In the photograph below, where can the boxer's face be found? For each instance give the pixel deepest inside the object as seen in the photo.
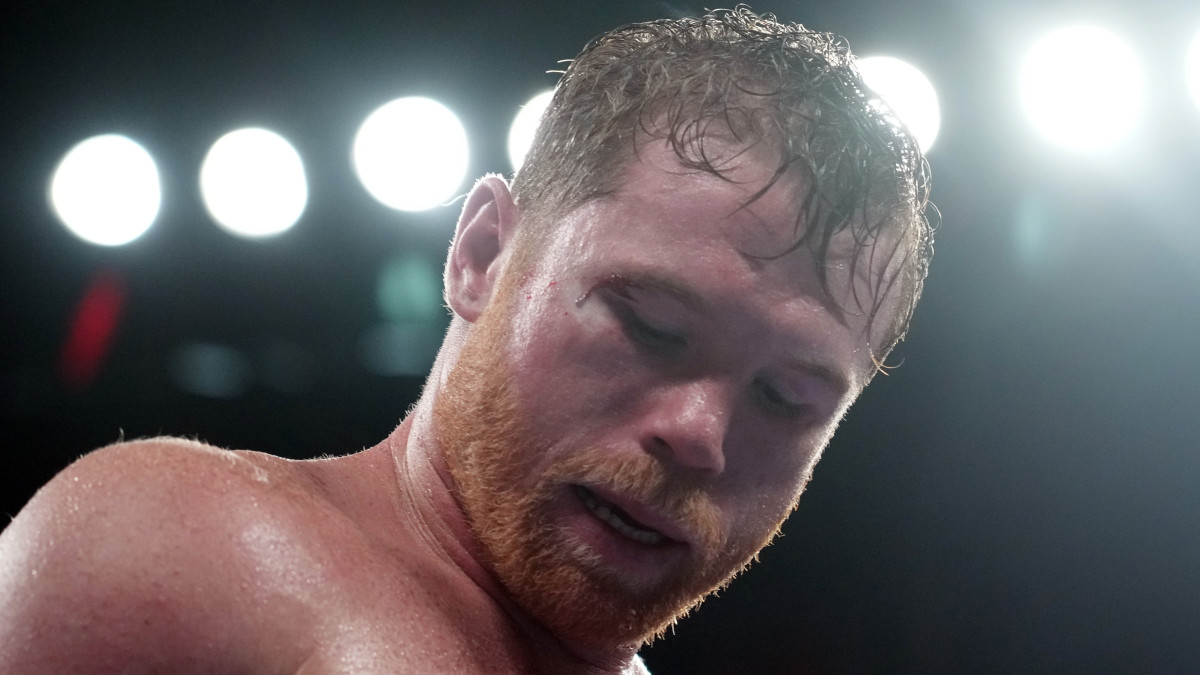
(638, 410)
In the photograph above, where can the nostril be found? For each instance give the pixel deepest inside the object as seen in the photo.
(686, 453)
(658, 447)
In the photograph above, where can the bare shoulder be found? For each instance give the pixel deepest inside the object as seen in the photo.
(150, 552)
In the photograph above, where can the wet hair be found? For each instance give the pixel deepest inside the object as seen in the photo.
(689, 81)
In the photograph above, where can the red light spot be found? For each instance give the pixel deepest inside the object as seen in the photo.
(91, 331)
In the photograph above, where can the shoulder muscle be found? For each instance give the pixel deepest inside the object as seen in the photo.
(131, 557)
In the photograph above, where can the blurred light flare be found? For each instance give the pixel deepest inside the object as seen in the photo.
(92, 326)
(1192, 69)
(106, 190)
(253, 183)
(410, 289)
(400, 349)
(908, 92)
(411, 154)
(1082, 88)
(524, 126)
(210, 369)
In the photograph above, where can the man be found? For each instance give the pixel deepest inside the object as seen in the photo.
(716, 239)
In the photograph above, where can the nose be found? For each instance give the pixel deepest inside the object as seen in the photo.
(687, 425)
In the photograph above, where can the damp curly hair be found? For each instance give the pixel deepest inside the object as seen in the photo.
(734, 71)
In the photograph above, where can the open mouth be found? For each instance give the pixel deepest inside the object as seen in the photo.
(619, 520)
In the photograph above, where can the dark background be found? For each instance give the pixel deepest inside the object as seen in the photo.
(1021, 495)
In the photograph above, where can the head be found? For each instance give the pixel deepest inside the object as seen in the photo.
(734, 73)
(715, 238)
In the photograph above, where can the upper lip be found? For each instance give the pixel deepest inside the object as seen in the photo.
(645, 515)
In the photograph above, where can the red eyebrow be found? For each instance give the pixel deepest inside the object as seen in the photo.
(649, 281)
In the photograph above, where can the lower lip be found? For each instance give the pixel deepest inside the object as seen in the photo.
(645, 563)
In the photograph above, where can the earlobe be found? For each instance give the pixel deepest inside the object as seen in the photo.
(484, 228)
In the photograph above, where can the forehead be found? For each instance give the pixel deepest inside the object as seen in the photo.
(711, 237)
(668, 211)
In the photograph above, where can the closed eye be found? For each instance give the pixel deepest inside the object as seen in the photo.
(776, 402)
(643, 332)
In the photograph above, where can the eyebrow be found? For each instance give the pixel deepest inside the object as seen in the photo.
(822, 371)
(653, 281)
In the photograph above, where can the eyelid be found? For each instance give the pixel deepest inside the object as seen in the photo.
(644, 330)
(790, 406)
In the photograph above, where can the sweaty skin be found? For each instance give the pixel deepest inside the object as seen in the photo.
(167, 555)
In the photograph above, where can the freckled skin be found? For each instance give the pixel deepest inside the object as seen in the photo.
(167, 555)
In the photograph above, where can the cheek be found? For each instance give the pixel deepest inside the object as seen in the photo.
(781, 481)
(577, 344)
(765, 474)
(765, 506)
(568, 371)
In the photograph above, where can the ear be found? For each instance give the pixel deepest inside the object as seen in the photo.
(484, 229)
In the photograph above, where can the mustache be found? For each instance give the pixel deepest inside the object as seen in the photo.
(683, 499)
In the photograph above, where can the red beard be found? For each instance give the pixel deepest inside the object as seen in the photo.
(486, 434)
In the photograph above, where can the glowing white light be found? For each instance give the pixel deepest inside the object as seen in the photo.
(411, 154)
(1082, 88)
(908, 93)
(524, 126)
(1193, 69)
(253, 185)
(106, 190)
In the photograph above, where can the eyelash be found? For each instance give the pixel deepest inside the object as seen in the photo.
(666, 342)
(645, 334)
(771, 396)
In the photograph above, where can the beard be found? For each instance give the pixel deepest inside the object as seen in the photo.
(509, 494)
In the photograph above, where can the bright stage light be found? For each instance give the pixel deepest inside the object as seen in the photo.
(106, 190)
(1082, 88)
(908, 93)
(1193, 69)
(411, 154)
(524, 126)
(253, 184)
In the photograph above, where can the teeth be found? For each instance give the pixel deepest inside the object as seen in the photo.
(605, 512)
